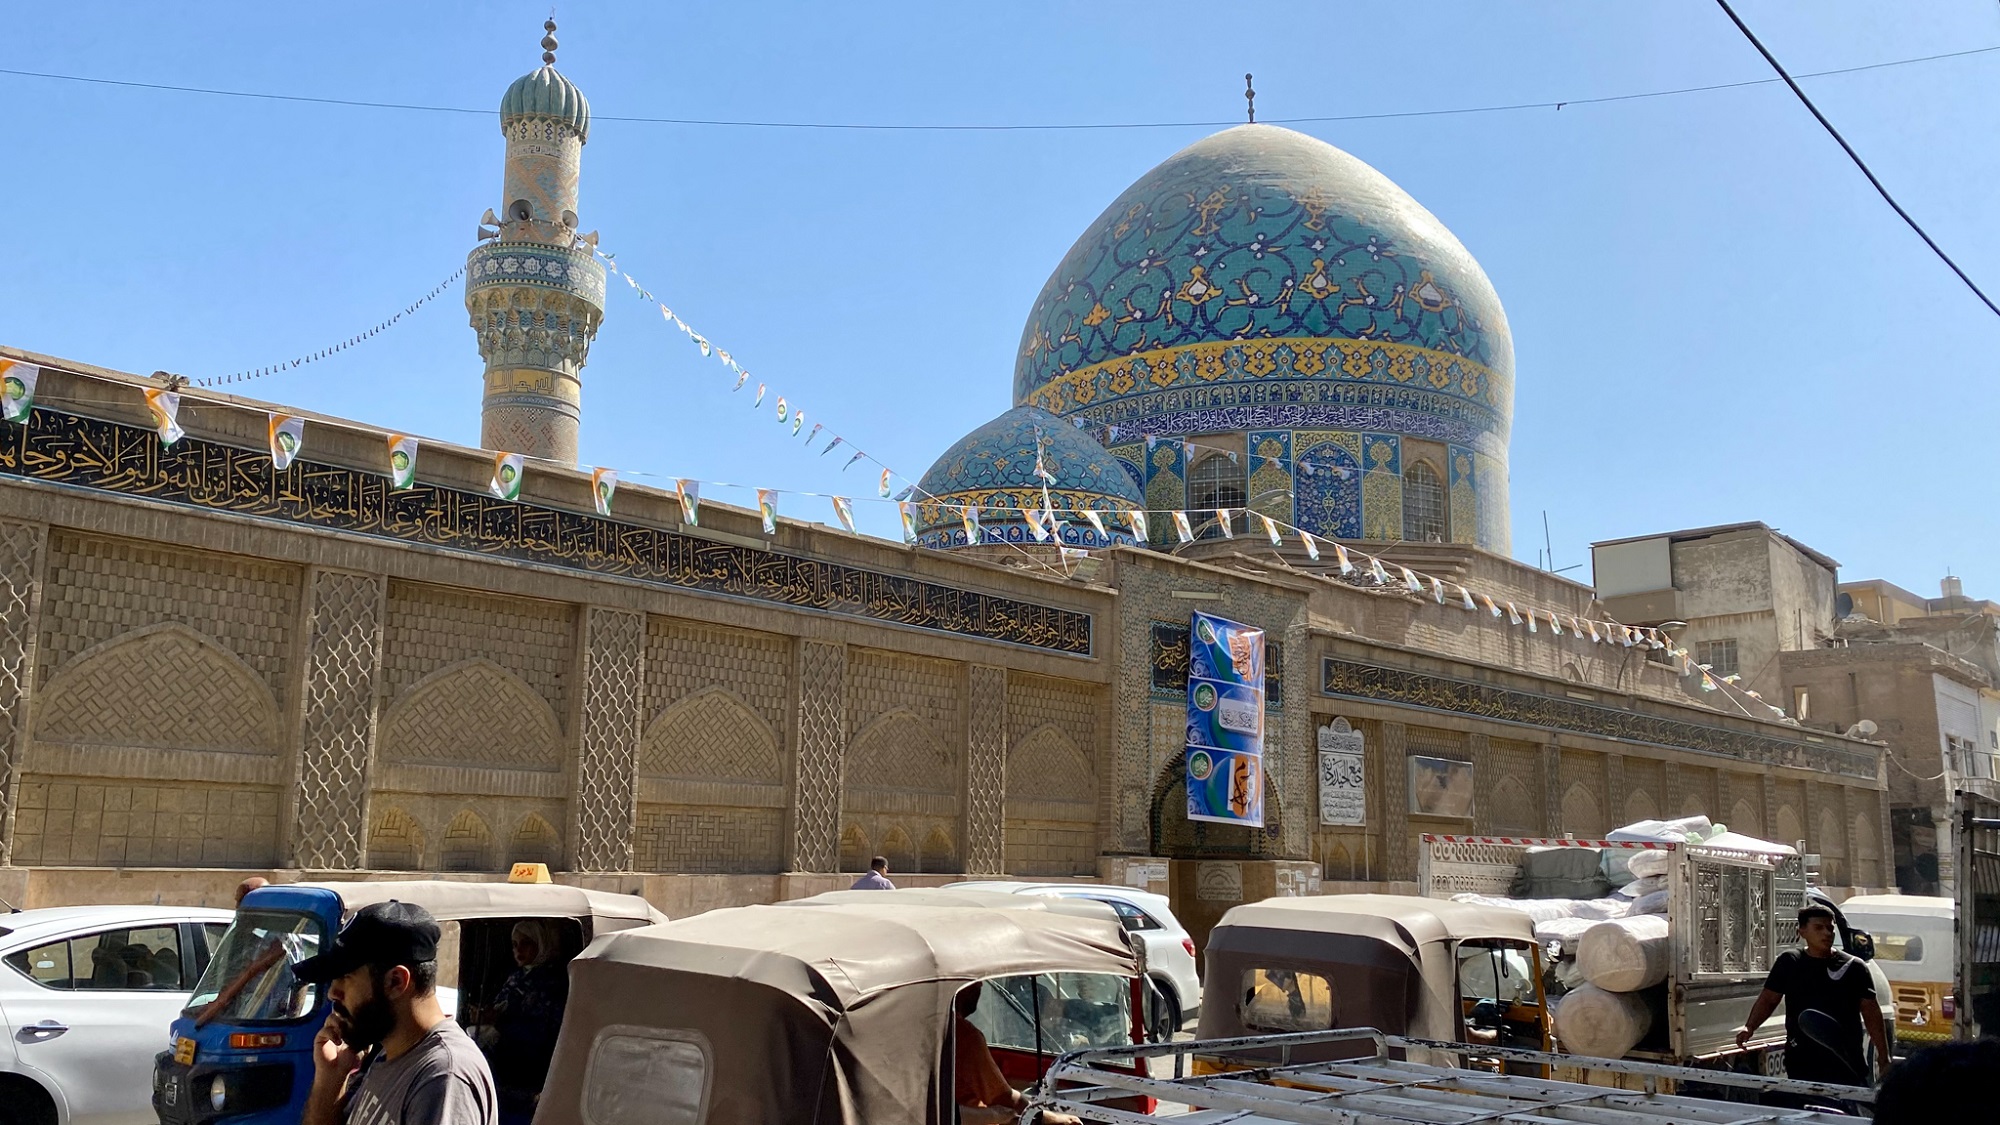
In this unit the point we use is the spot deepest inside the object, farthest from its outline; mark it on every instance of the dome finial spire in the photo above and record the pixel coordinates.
(1250, 95)
(549, 40)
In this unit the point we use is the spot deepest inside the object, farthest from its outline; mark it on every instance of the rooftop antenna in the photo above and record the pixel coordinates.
(1250, 95)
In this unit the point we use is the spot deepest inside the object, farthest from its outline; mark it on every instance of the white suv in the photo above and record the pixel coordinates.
(1170, 952)
(86, 994)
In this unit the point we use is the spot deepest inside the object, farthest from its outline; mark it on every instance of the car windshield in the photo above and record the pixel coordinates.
(249, 979)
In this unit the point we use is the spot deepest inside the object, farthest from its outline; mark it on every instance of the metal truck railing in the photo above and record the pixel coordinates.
(1375, 1088)
(1730, 912)
(1977, 983)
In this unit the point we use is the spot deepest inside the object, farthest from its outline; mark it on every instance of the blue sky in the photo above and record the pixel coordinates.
(1714, 317)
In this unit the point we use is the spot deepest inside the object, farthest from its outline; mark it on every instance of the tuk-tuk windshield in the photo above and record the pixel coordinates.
(249, 978)
(1051, 1013)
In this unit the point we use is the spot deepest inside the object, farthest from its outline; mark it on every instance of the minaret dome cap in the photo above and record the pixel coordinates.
(546, 93)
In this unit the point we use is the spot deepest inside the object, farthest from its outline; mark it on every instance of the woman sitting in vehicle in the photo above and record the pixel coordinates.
(518, 1029)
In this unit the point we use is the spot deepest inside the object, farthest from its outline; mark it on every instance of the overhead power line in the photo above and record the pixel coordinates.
(1046, 127)
(1855, 156)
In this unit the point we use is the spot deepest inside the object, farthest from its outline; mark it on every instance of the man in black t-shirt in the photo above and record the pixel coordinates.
(1818, 979)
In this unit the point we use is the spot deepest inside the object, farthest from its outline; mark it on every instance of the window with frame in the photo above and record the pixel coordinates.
(1130, 916)
(1423, 504)
(1217, 482)
(141, 958)
(1286, 1000)
(1720, 656)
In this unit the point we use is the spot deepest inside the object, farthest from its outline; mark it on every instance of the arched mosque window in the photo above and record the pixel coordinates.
(1423, 504)
(1217, 482)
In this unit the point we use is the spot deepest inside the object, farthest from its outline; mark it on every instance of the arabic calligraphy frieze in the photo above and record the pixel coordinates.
(1417, 689)
(130, 461)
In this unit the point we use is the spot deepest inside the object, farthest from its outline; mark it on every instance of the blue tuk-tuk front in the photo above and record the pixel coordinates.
(241, 1051)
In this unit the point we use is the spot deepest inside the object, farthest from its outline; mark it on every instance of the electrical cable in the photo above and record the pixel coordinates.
(1030, 127)
(1855, 156)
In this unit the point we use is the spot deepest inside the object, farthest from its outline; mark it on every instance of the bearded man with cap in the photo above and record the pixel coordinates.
(388, 1055)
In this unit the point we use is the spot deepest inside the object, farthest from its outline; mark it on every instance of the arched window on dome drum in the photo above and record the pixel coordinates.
(1423, 504)
(1217, 482)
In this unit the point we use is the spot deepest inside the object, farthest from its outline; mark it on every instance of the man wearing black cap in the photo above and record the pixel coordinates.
(388, 1054)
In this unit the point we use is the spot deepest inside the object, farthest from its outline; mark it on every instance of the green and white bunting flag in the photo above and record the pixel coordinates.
(17, 389)
(402, 462)
(883, 485)
(165, 407)
(767, 505)
(288, 432)
(843, 510)
(690, 494)
(970, 517)
(603, 483)
(1181, 527)
(909, 513)
(506, 482)
(1138, 521)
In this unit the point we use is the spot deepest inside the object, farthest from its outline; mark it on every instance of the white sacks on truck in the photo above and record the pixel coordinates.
(1606, 1025)
(1624, 954)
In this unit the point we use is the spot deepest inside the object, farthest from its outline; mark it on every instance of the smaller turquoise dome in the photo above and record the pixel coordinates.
(546, 93)
(993, 468)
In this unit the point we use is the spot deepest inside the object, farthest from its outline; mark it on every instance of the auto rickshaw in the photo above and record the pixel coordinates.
(835, 1010)
(242, 1049)
(1916, 949)
(1417, 967)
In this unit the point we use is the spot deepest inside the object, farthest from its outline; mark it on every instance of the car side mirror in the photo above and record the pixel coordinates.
(1861, 944)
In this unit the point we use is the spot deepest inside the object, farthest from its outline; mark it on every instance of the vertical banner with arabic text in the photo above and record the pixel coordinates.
(1225, 728)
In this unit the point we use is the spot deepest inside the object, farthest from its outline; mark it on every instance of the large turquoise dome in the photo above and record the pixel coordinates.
(1264, 283)
(993, 468)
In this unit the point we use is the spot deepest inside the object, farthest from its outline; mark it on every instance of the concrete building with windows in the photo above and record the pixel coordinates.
(1740, 594)
(211, 666)
(1926, 673)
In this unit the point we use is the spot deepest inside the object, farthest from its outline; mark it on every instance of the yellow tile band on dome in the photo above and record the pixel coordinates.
(1259, 358)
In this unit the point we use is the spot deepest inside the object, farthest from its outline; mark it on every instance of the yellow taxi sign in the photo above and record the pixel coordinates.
(529, 873)
(184, 1051)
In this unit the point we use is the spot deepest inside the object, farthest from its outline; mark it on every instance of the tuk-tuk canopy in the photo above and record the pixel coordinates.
(1404, 922)
(451, 900)
(828, 1009)
(1386, 960)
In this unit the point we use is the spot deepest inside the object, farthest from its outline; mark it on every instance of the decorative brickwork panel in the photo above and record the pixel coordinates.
(712, 736)
(475, 713)
(605, 801)
(100, 589)
(20, 560)
(1051, 807)
(535, 841)
(714, 764)
(339, 722)
(164, 686)
(987, 770)
(906, 762)
(395, 841)
(818, 843)
(686, 657)
(706, 839)
(430, 628)
(467, 844)
(1074, 708)
(1522, 761)
(90, 822)
(1392, 764)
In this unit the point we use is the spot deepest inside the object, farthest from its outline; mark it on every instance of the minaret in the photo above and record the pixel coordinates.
(533, 288)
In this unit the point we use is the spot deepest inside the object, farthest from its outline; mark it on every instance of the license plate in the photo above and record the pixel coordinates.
(184, 1051)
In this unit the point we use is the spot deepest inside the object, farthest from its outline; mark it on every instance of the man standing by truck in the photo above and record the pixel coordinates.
(1828, 999)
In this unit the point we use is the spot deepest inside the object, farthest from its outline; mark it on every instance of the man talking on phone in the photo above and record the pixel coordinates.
(388, 1054)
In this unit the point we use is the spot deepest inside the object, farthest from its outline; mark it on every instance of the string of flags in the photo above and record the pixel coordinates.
(1107, 435)
(1046, 522)
(351, 341)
